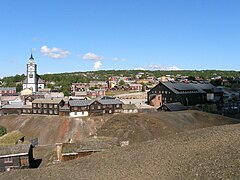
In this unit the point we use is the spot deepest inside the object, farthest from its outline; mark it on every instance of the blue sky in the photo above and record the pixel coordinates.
(81, 35)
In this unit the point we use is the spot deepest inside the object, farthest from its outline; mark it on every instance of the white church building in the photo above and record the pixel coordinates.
(33, 81)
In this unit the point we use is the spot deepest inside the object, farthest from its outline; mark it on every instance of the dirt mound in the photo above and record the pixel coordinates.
(143, 127)
(51, 129)
(209, 153)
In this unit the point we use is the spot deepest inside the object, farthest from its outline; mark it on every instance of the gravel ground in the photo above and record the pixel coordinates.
(208, 153)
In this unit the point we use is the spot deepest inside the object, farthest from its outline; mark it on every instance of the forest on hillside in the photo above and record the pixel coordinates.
(66, 79)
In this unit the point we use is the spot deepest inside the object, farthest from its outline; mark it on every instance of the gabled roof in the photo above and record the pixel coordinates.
(207, 87)
(182, 88)
(90, 144)
(13, 150)
(40, 80)
(110, 101)
(7, 88)
(174, 106)
(79, 102)
(108, 97)
(48, 100)
(13, 106)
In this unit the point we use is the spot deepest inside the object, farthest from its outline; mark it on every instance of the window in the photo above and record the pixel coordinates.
(30, 75)
(50, 105)
(117, 106)
(8, 160)
(34, 105)
(75, 108)
(39, 105)
(45, 105)
(99, 107)
(55, 106)
(55, 111)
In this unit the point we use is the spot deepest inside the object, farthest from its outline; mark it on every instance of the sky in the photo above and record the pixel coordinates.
(86, 35)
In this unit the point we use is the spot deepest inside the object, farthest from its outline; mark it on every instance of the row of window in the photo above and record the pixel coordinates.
(93, 107)
(162, 92)
(45, 105)
(8, 160)
(45, 111)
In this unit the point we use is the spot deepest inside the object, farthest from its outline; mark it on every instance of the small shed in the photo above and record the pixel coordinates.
(85, 147)
(129, 108)
(172, 107)
(15, 156)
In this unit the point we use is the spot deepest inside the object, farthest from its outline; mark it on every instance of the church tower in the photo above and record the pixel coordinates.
(33, 80)
(32, 74)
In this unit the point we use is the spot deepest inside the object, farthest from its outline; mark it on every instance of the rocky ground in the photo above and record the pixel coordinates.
(208, 153)
(169, 145)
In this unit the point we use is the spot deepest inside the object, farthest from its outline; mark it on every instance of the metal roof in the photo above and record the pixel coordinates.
(183, 88)
(7, 88)
(110, 101)
(14, 149)
(174, 106)
(13, 106)
(79, 102)
(48, 101)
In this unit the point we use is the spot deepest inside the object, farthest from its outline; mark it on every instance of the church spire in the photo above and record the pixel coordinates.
(31, 57)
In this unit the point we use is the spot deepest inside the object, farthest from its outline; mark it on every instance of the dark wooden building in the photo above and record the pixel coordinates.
(172, 107)
(80, 108)
(15, 156)
(185, 93)
(47, 106)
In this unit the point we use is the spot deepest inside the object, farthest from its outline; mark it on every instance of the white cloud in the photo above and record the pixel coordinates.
(55, 53)
(142, 69)
(173, 68)
(119, 59)
(158, 67)
(92, 56)
(97, 65)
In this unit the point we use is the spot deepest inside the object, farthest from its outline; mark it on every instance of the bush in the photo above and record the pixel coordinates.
(3, 131)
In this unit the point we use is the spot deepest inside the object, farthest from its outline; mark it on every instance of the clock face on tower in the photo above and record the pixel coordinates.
(31, 68)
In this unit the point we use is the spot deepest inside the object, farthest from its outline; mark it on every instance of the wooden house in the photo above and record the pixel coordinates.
(47, 106)
(172, 107)
(79, 108)
(15, 156)
(85, 147)
(185, 93)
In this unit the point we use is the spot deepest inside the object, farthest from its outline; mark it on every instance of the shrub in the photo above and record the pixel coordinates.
(3, 131)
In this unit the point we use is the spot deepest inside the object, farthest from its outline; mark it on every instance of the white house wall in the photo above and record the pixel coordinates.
(78, 114)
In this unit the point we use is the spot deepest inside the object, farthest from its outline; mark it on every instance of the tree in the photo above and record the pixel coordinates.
(3, 131)
(121, 82)
(19, 87)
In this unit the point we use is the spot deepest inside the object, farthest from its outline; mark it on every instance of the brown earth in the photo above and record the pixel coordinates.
(133, 127)
(144, 126)
(52, 129)
(208, 153)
